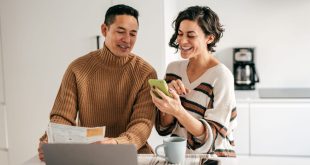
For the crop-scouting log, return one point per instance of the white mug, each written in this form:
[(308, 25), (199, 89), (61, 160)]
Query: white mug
[(175, 149)]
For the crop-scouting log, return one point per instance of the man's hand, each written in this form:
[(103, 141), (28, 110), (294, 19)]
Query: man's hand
[(107, 141), (40, 151)]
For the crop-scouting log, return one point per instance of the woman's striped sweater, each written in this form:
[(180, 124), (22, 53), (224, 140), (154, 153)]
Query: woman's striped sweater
[(212, 101)]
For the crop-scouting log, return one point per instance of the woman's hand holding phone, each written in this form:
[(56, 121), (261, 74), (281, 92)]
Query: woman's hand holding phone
[(169, 105), (176, 85), (166, 100)]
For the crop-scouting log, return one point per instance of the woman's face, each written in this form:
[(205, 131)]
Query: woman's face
[(191, 39)]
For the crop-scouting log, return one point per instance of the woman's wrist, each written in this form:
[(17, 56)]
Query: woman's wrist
[(181, 112), (166, 119)]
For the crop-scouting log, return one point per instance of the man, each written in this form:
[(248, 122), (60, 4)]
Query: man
[(108, 87)]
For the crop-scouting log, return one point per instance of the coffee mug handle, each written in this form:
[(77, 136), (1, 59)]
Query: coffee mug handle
[(156, 149)]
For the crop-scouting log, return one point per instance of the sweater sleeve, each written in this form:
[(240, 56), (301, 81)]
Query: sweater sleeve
[(142, 118), (164, 131), (217, 119), (224, 103), (66, 104)]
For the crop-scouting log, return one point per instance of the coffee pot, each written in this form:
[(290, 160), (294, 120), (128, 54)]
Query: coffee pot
[(245, 74)]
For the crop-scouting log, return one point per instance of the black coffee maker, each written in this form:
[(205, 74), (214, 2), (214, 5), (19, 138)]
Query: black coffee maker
[(244, 69)]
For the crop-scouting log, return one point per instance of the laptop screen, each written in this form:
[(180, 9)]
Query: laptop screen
[(90, 154)]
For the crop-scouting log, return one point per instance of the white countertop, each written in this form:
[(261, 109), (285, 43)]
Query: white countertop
[(146, 159), (252, 96)]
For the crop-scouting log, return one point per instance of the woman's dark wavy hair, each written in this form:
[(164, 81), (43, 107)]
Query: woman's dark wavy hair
[(207, 20)]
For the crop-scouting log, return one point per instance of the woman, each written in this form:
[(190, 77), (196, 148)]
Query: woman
[(202, 106)]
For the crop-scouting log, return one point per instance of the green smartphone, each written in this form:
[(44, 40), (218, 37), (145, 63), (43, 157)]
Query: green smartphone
[(161, 85)]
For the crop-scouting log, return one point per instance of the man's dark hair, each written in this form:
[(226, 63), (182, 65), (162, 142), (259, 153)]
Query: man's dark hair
[(207, 20), (119, 10)]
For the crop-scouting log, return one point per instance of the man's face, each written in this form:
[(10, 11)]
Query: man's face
[(120, 36)]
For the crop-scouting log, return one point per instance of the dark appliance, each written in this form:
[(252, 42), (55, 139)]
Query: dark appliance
[(244, 69)]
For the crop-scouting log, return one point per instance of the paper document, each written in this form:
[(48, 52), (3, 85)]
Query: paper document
[(60, 133)]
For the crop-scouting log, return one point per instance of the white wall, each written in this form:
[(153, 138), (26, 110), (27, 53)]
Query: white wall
[(171, 11), (150, 43), (3, 116), (280, 31)]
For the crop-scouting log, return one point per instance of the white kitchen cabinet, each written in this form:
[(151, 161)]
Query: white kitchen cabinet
[(280, 128), (3, 157), (242, 134)]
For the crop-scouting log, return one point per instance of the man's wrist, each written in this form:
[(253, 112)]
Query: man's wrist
[(121, 140)]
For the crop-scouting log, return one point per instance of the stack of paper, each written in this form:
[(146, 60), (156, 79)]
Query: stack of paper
[(59, 133)]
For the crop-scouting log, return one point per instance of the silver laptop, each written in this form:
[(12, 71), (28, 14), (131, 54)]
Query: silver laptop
[(90, 154)]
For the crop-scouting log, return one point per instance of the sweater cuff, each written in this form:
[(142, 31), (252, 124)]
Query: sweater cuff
[(201, 138), (121, 140)]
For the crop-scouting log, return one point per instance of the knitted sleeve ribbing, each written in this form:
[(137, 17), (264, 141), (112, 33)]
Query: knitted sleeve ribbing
[(142, 118)]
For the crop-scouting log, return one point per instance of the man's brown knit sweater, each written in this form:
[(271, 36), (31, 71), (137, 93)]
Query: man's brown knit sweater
[(107, 90)]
